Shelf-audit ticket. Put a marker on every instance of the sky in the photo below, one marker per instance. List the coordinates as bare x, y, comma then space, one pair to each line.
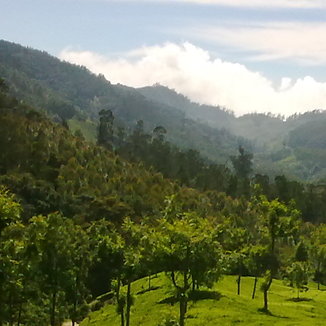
244, 55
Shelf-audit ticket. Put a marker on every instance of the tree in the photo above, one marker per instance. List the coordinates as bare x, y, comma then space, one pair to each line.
242, 165
298, 274
158, 133
10, 211
186, 248
52, 237
278, 222
132, 235
318, 254
259, 261
82, 257
105, 129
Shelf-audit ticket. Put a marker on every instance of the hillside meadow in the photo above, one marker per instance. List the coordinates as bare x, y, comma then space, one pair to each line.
218, 306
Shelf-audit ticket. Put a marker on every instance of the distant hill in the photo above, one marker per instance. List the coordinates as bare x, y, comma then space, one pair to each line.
72, 92
294, 146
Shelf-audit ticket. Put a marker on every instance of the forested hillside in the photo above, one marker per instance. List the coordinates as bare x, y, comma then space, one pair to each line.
90, 226
71, 92
275, 140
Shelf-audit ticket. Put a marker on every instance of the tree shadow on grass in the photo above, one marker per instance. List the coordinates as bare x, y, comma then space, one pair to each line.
299, 299
204, 295
170, 300
152, 288
195, 296
269, 313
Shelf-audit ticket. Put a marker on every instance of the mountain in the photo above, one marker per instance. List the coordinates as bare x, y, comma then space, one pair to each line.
215, 117
294, 146
80, 225
73, 93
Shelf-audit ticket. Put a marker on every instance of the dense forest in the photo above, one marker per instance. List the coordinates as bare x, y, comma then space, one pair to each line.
82, 218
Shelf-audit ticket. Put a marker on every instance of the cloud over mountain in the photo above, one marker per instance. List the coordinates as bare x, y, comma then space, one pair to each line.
192, 71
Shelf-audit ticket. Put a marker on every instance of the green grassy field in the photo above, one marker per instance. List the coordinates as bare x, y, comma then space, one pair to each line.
222, 306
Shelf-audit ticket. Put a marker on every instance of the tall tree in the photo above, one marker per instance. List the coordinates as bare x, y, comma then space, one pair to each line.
242, 165
105, 129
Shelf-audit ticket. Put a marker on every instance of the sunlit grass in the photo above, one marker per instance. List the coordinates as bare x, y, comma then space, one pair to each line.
224, 307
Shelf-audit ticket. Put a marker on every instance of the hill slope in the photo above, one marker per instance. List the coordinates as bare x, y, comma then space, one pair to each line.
219, 306
73, 92
294, 146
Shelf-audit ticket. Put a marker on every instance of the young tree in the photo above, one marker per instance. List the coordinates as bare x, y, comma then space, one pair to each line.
318, 254
186, 247
298, 274
259, 260
278, 221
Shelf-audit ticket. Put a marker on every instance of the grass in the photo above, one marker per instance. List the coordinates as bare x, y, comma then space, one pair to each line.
220, 305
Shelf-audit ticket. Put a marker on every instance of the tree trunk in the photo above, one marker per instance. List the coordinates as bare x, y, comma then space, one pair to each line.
183, 308
11, 322
186, 287
254, 289
20, 313
182, 313
53, 305
239, 283
149, 282
74, 313
118, 288
193, 283
122, 317
265, 300
266, 294
128, 303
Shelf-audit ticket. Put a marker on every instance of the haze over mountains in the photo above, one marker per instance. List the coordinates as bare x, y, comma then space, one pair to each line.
295, 146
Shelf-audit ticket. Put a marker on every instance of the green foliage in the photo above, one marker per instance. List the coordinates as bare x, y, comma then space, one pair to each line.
298, 274
85, 221
10, 209
301, 254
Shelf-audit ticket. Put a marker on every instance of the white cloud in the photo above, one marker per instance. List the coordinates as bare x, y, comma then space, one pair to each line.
302, 42
191, 71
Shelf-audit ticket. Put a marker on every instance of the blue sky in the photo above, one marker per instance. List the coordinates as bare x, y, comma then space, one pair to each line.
247, 55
